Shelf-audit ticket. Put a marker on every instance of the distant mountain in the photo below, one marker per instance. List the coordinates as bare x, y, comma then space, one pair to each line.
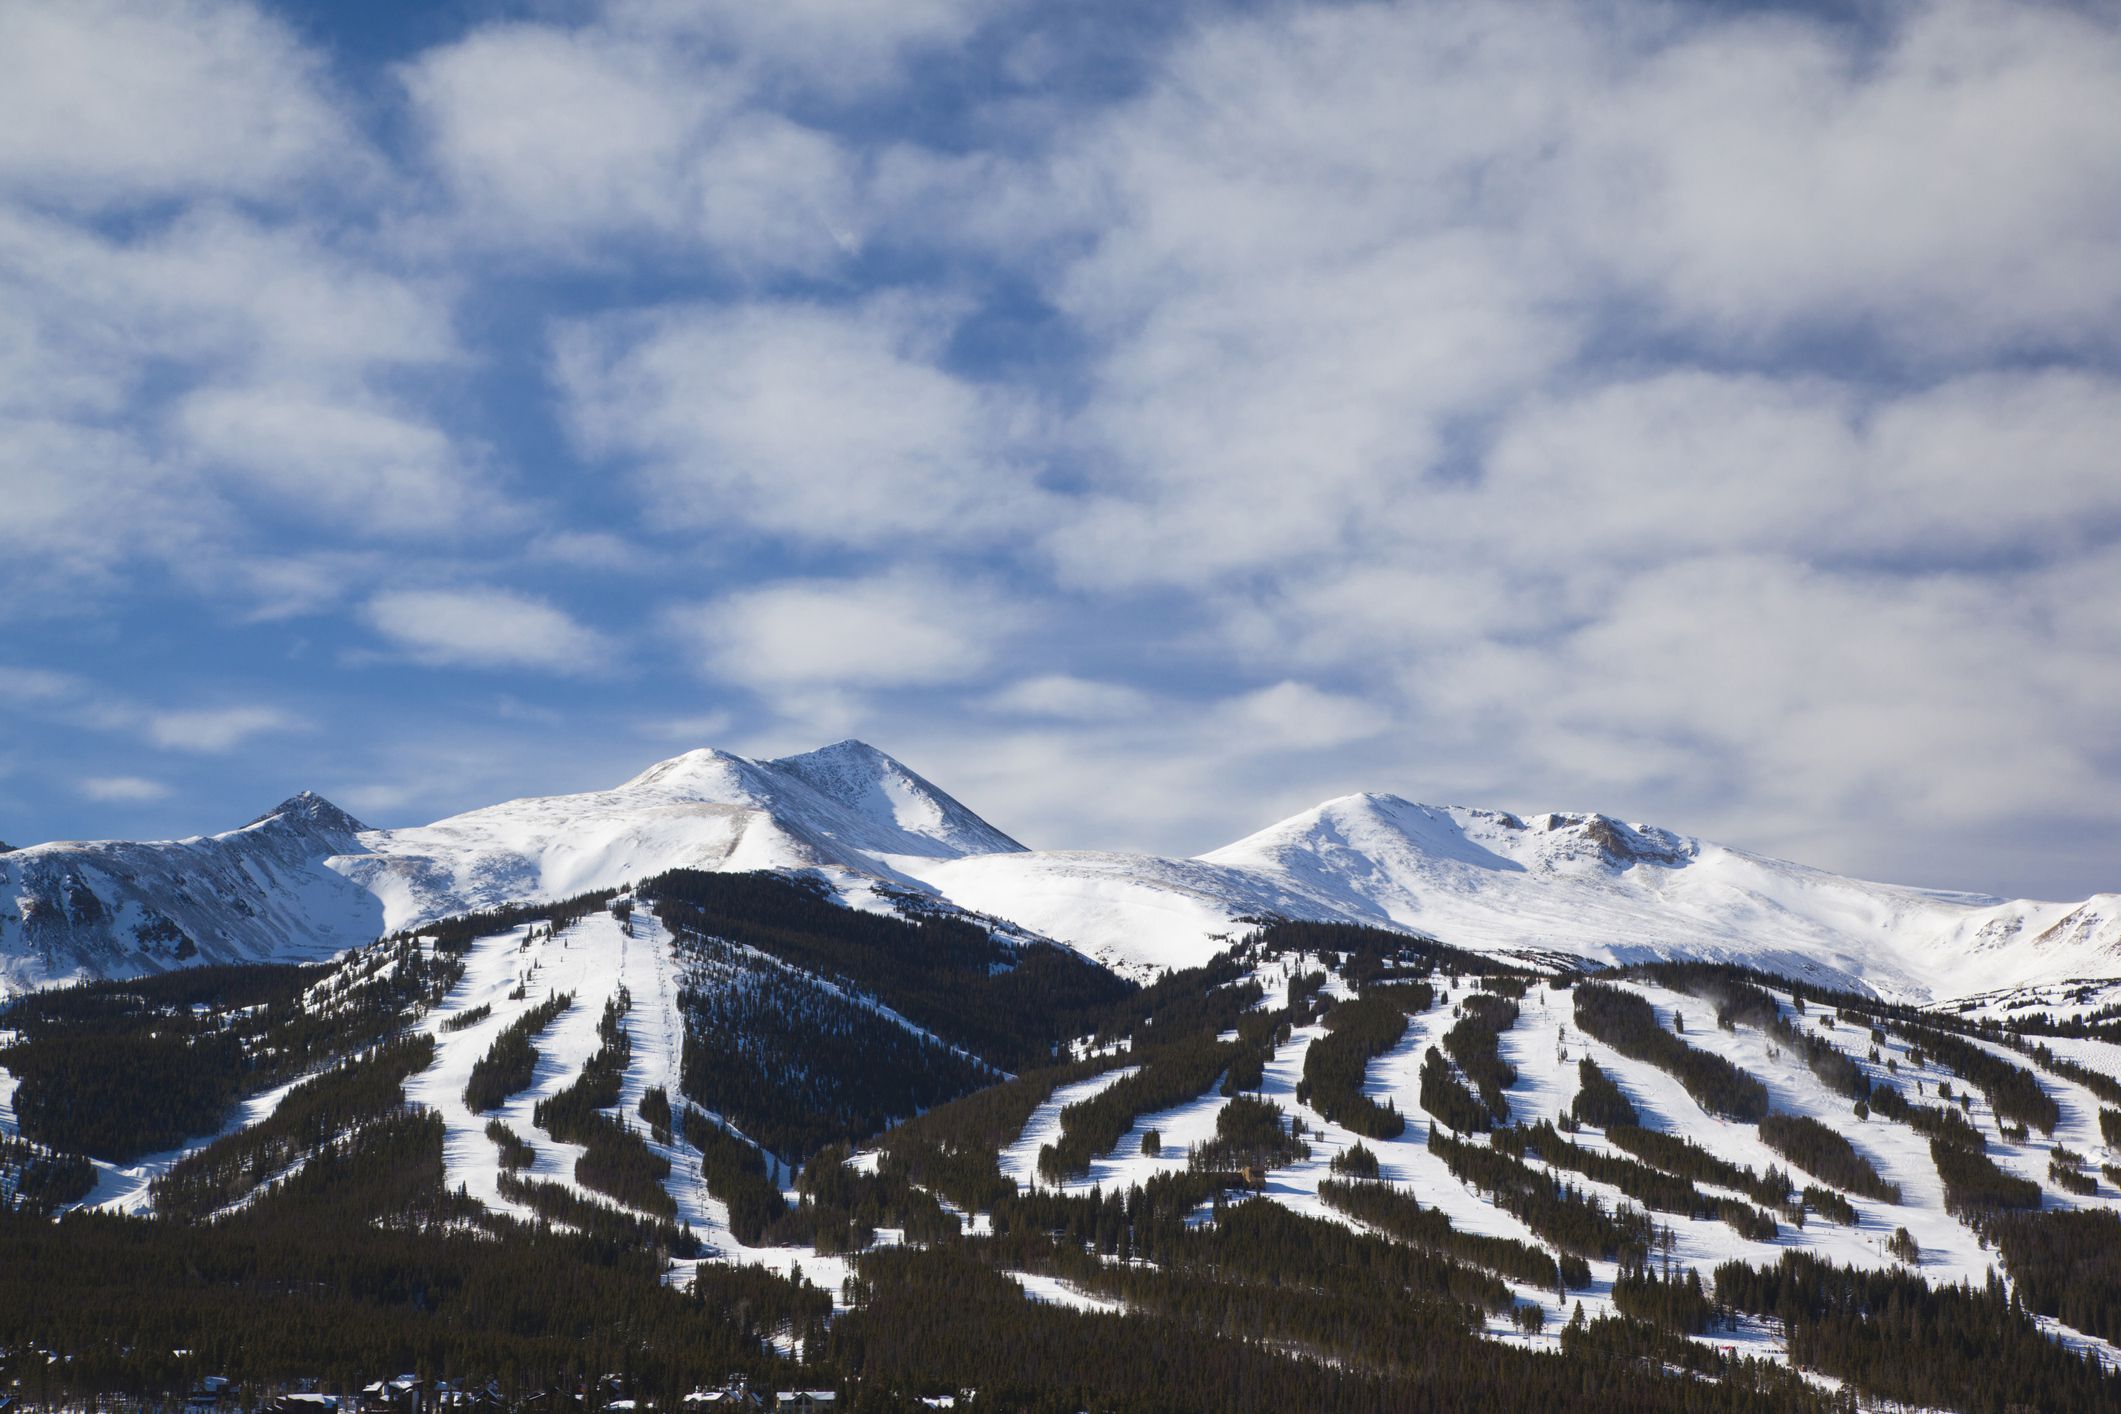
307, 880
1585, 885
118, 908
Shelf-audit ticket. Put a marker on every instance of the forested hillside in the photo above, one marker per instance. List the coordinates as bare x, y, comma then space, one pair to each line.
722, 1126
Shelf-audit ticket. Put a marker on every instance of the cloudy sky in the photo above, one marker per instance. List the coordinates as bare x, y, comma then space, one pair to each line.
1146, 420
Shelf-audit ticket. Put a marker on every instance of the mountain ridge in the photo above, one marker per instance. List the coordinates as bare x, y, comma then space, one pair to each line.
306, 880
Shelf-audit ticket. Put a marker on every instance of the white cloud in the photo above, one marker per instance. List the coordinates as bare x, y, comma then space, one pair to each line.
802, 636
105, 101
552, 138
123, 788
342, 459
216, 729
560, 129
1058, 695
484, 628
84, 506
815, 423
1295, 716
39, 685
1958, 190
832, 45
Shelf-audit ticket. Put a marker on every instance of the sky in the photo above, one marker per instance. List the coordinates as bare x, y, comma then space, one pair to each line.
1144, 421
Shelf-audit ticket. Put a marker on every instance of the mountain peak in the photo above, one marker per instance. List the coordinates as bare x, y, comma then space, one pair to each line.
878, 786
309, 809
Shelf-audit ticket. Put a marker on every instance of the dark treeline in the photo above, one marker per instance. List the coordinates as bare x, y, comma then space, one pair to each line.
617, 1227
1254, 1242
465, 1020
1703, 979
1677, 1303
1651, 1187
798, 1065
361, 1265
1374, 954
516, 1151
1336, 1064
1570, 1219
1448, 1099
1678, 1155
1741, 1002
1627, 1022
935, 1321
2066, 1265
1397, 1212
1599, 1102
458, 933
2011, 1089
2106, 1087
1008, 1004
315, 1113
1825, 1154
1474, 1042
116, 1070
843, 1207
1973, 1185
511, 1062
1828, 1204
736, 1174
1893, 1335
38, 1182
1250, 1133
1936, 1121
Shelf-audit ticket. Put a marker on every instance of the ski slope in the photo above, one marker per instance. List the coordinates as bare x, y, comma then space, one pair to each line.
1544, 1046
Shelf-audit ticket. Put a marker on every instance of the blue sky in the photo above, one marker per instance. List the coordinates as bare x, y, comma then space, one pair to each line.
1144, 420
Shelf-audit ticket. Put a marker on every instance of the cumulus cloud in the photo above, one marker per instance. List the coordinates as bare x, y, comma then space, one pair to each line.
123, 789
549, 137
484, 628
346, 459
816, 423
803, 635
1059, 695
216, 729
109, 101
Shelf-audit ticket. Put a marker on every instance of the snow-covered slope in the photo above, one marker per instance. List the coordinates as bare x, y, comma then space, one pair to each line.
307, 880
1581, 884
119, 908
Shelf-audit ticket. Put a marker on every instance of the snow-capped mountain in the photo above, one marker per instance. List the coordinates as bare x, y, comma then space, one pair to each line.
113, 908
306, 880
1578, 884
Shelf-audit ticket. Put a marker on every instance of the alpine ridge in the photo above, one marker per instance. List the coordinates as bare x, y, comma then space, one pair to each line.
306, 880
